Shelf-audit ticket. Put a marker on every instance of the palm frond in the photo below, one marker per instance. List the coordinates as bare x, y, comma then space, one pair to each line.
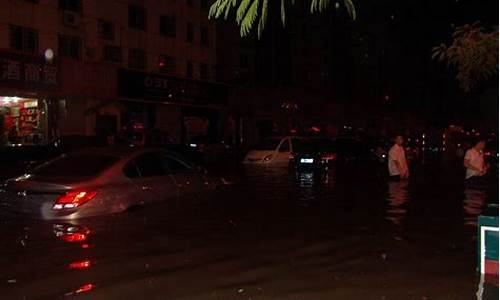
249, 18
242, 9
248, 10
283, 12
263, 18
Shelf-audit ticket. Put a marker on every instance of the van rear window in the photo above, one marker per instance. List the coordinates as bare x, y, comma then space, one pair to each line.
268, 144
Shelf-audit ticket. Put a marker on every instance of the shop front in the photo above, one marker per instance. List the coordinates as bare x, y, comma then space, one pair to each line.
164, 109
28, 86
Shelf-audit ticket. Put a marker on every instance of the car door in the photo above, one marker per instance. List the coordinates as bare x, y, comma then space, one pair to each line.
190, 182
282, 156
153, 180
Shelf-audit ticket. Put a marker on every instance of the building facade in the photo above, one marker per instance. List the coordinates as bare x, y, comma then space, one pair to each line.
111, 67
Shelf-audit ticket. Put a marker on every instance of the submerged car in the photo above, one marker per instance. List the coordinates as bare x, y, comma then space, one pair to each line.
272, 151
103, 181
312, 154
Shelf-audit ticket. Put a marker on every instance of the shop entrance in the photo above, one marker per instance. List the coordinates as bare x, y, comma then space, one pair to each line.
23, 121
200, 125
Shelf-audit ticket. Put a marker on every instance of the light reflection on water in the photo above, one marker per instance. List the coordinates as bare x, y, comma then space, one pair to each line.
397, 198
273, 203
473, 204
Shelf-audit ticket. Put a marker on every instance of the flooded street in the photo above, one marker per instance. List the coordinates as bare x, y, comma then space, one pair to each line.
271, 235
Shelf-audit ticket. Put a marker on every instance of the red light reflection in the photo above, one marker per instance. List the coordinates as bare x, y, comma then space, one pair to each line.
85, 288
84, 264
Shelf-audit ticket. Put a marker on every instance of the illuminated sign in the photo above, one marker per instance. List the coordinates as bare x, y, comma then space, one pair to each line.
163, 88
22, 71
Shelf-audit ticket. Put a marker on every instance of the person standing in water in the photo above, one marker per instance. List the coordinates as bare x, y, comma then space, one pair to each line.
474, 162
398, 167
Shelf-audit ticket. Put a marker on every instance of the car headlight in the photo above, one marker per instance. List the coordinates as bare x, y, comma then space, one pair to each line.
268, 157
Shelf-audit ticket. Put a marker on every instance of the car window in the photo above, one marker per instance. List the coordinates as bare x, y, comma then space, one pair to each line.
315, 145
295, 144
268, 144
285, 146
175, 165
76, 165
149, 165
130, 170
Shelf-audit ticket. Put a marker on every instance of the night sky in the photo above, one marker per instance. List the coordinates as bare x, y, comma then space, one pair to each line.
386, 52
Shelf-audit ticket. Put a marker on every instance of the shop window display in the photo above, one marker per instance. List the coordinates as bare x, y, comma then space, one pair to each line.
22, 121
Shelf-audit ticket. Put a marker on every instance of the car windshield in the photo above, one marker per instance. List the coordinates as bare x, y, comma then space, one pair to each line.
349, 147
76, 165
315, 145
268, 144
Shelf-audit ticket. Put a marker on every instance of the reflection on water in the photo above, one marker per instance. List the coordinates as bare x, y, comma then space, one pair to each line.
473, 205
307, 193
269, 222
397, 197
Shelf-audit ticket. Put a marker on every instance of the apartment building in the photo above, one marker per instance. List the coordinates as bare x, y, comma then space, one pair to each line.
107, 67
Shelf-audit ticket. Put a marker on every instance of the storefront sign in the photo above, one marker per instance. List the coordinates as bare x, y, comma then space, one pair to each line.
161, 88
20, 71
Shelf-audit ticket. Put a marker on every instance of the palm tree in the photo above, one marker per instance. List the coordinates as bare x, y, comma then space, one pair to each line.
247, 11
474, 54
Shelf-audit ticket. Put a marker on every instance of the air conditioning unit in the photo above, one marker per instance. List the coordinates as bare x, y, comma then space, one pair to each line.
70, 19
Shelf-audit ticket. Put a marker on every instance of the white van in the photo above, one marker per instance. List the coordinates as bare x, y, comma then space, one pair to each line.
275, 151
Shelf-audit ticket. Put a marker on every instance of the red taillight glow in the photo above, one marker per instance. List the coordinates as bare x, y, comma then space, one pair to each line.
74, 199
330, 156
85, 288
84, 264
74, 237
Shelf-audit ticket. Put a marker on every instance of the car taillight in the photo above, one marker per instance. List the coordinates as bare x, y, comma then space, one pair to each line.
74, 237
329, 156
74, 199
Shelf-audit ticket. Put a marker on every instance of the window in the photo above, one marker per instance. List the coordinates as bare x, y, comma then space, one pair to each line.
167, 26
189, 69
189, 32
285, 146
106, 30
204, 36
149, 165
137, 59
203, 71
137, 17
268, 144
175, 165
112, 54
71, 5
82, 165
69, 46
130, 170
23, 39
166, 64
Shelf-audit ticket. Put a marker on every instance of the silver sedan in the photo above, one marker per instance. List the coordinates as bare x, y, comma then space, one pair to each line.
104, 181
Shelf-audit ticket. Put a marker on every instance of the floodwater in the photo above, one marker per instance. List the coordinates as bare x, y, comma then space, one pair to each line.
271, 235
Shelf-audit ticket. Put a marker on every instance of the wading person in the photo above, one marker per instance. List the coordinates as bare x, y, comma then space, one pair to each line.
474, 162
398, 167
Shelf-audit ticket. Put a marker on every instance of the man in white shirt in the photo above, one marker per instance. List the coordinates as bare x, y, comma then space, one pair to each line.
474, 161
398, 167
